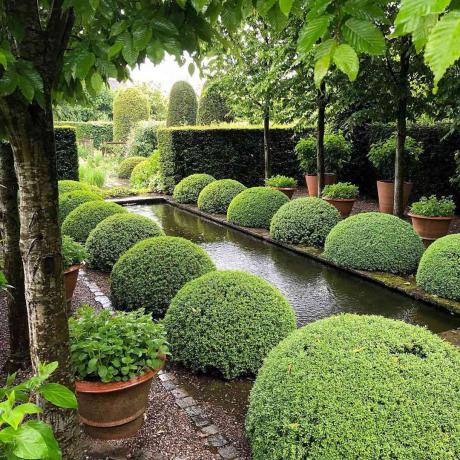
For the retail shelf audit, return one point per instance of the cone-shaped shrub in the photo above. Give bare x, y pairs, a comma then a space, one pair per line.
375, 242
217, 196
189, 188
439, 269
182, 105
255, 207
304, 221
151, 273
71, 200
115, 235
227, 321
213, 107
357, 387
126, 166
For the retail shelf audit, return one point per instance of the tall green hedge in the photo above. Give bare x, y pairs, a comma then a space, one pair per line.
97, 131
183, 105
212, 107
129, 107
66, 153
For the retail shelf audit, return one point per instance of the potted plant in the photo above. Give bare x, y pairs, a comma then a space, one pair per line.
341, 195
382, 156
337, 153
115, 358
73, 254
431, 217
287, 185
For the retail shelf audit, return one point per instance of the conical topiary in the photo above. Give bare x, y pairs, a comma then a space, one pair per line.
182, 106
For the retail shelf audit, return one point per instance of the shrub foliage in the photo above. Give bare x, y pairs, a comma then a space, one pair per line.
126, 166
375, 242
142, 140
66, 153
217, 196
227, 321
188, 189
71, 200
73, 253
361, 387
97, 131
144, 172
212, 107
66, 186
183, 105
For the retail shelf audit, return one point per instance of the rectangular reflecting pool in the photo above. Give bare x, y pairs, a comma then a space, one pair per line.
314, 290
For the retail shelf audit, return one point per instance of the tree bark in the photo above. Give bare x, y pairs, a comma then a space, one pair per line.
267, 146
10, 226
401, 126
320, 162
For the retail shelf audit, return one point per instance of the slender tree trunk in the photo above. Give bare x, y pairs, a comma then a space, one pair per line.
267, 146
401, 126
320, 162
9, 219
31, 134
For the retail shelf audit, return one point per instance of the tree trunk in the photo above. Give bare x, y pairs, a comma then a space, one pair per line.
401, 126
320, 163
267, 147
16, 303
30, 131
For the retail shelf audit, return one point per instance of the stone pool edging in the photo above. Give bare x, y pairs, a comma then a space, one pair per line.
400, 284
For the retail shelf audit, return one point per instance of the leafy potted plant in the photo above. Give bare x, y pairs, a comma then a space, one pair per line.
337, 153
115, 358
341, 195
73, 254
431, 217
287, 185
382, 156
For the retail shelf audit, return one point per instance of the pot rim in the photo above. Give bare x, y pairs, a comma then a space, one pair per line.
418, 216
283, 188
345, 200
388, 181
326, 174
73, 268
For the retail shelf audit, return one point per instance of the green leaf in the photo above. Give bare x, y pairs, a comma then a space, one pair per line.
286, 6
364, 37
26, 88
54, 451
141, 38
118, 28
155, 51
191, 68
164, 25
29, 443
128, 51
421, 33
59, 395
416, 8
442, 49
323, 57
311, 33
84, 60
346, 60
97, 82
3, 59
115, 49
8, 83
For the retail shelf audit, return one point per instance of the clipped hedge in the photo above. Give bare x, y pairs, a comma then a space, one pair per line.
151, 273
97, 131
255, 207
66, 186
126, 167
115, 235
357, 387
79, 223
305, 221
375, 242
144, 173
66, 153
227, 321
183, 105
71, 200
212, 107
217, 196
439, 269
188, 189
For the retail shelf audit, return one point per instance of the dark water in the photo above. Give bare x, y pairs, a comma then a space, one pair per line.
314, 290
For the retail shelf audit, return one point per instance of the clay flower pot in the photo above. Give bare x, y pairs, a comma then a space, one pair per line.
312, 182
430, 228
70, 281
288, 191
386, 193
344, 205
114, 410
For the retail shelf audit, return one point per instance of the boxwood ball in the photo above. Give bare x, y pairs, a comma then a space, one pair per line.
71, 200
227, 321
188, 189
217, 196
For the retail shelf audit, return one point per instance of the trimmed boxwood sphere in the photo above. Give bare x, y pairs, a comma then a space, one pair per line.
71, 200
375, 242
151, 273
79, 223
188, 189
357, 387
439, 269
115, 235
255, 207
227, 321
217, 196
66, 186
126, 166
304, 221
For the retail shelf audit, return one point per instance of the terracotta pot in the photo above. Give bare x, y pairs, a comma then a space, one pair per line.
114, 410
430, 228
288, 191
386, 193
312, 182
70, 281
344, 205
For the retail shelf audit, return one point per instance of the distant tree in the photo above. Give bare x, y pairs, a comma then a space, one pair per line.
213, 106
183, 105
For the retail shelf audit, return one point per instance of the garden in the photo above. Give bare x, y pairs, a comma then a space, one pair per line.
263, 267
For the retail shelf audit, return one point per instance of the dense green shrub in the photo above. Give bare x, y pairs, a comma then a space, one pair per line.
255, 207
212, 107
357, 387
129, 107
66, 186
305, 221
281, 181
188, 189
227, 321
119, 191
115, 235
375, 242
341, 190
71, 200
439, 269
73, 253
79, 223
96, 131
182, 105
145, 173
126, 167
151, 273
66, 153
142, 139
216, 196
433, 207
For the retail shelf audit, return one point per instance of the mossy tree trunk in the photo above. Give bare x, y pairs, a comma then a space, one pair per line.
267, 150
